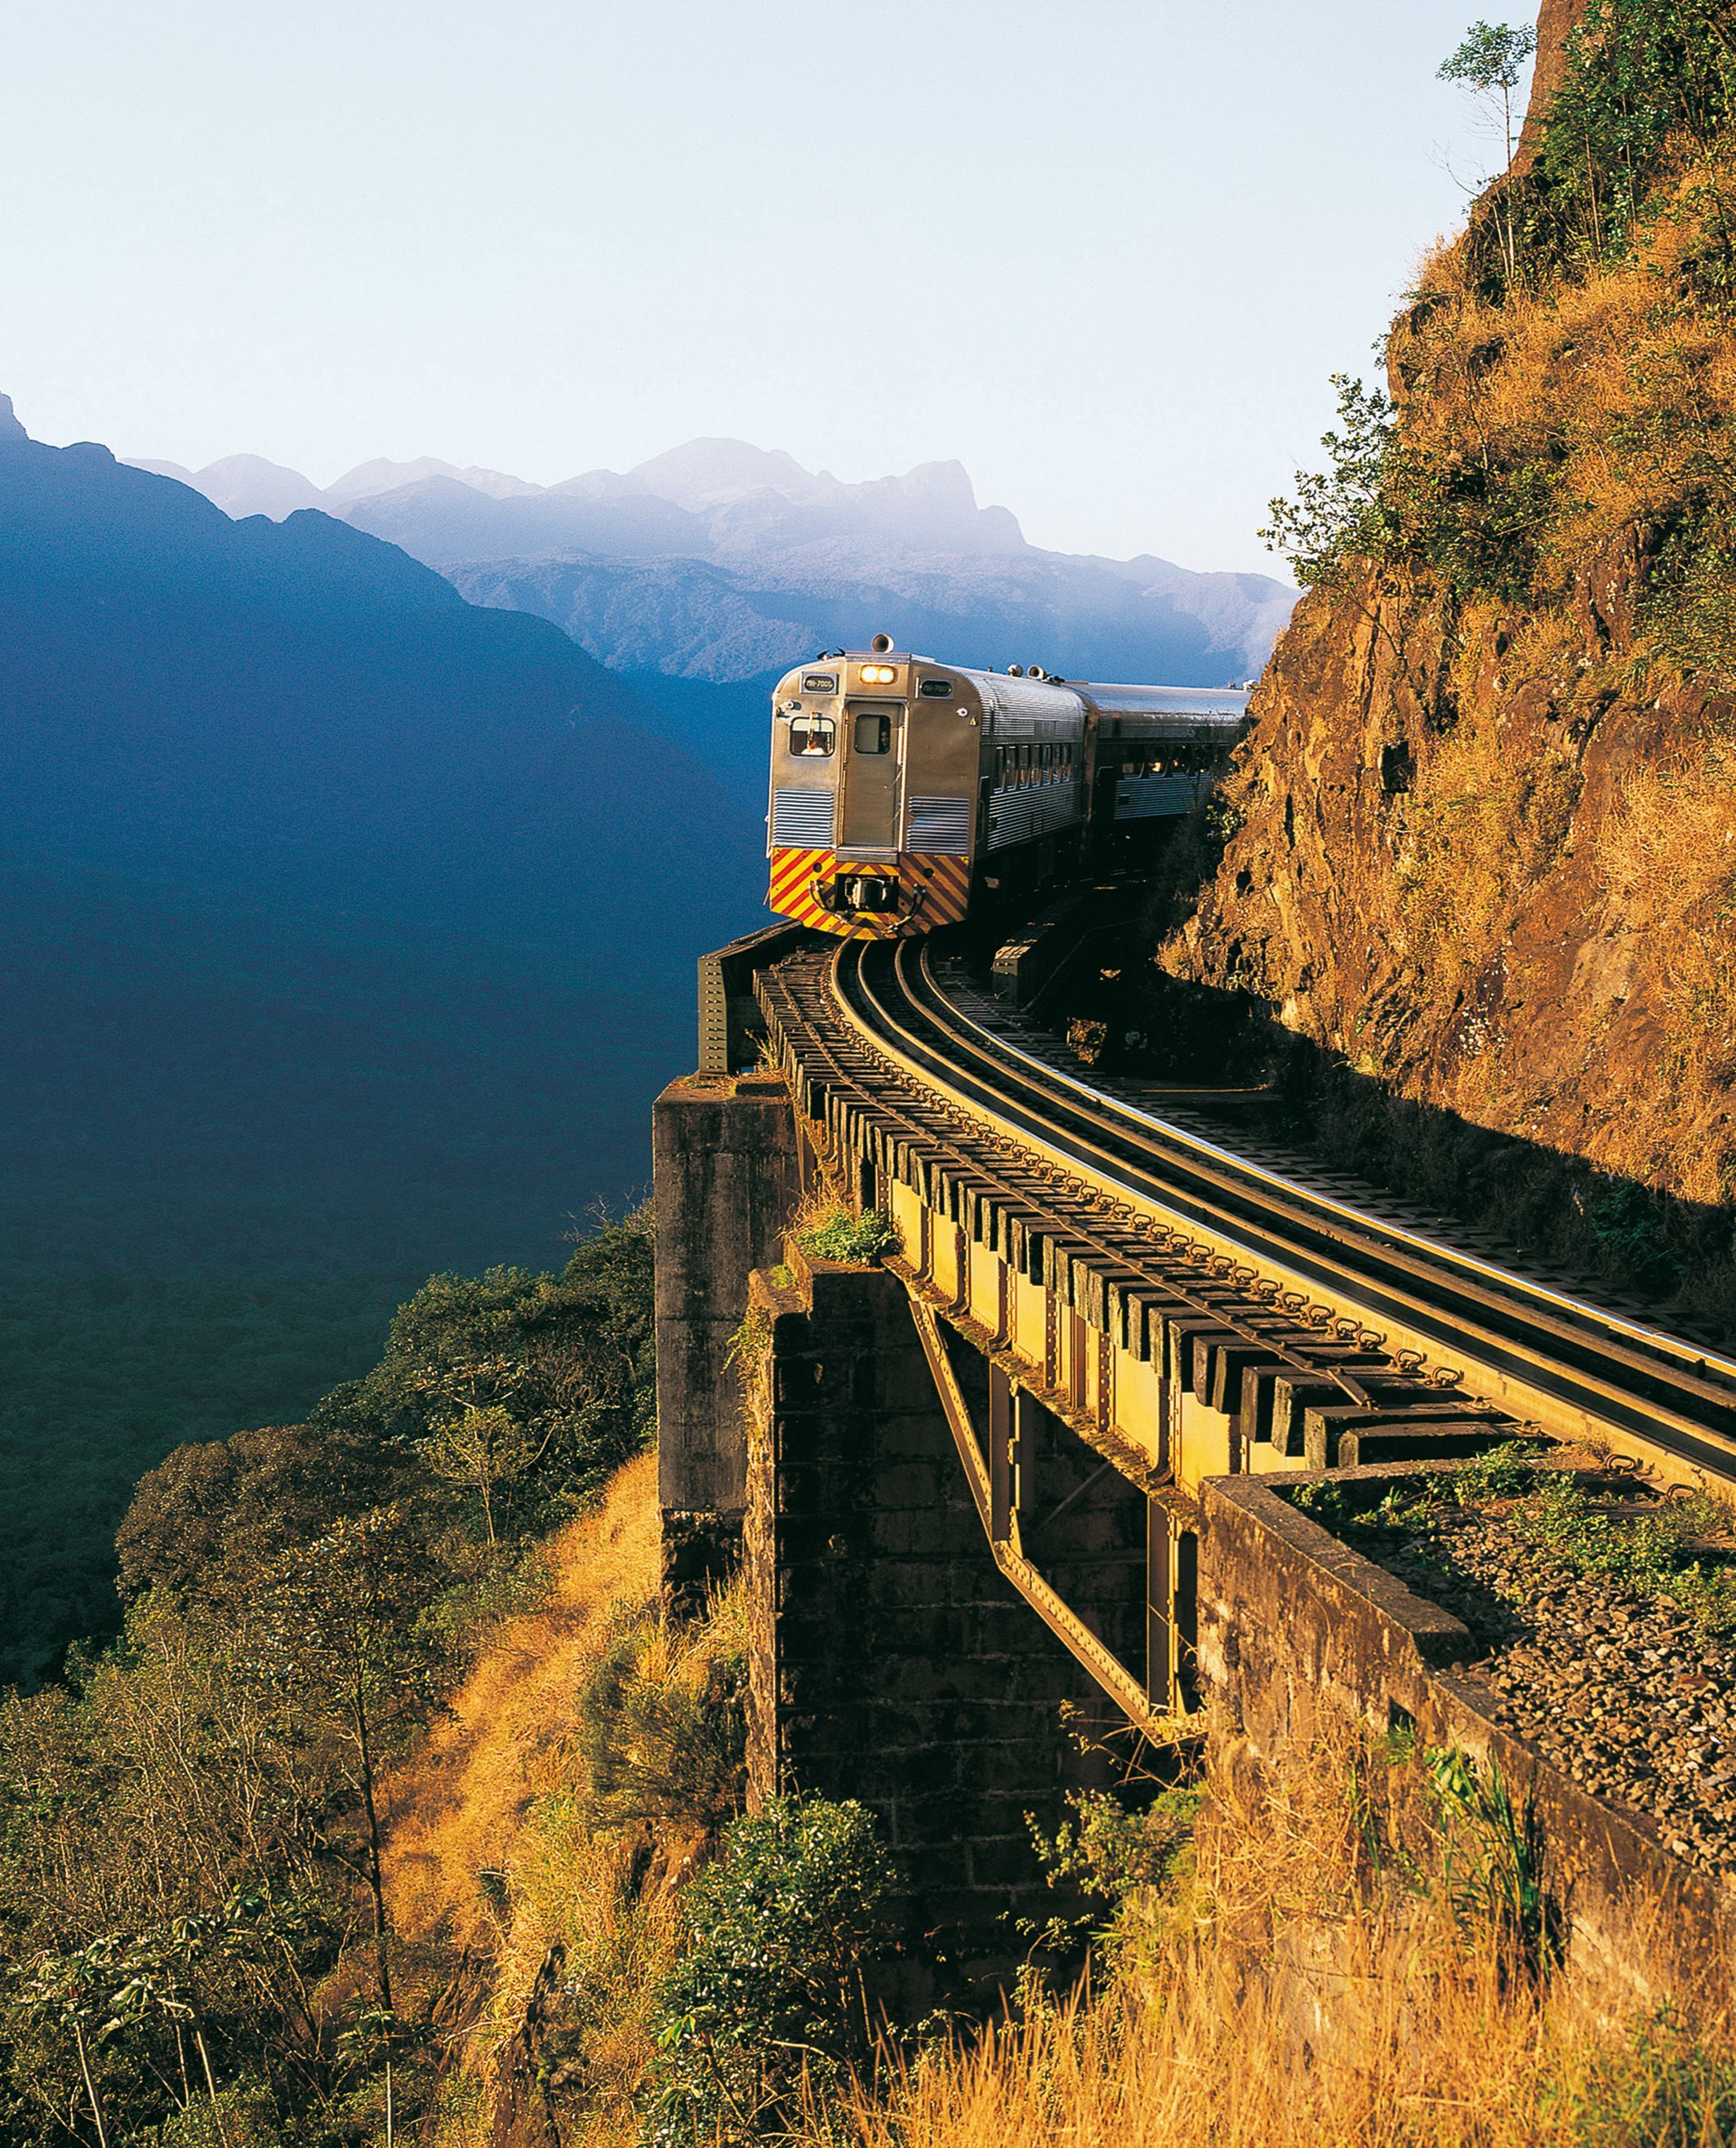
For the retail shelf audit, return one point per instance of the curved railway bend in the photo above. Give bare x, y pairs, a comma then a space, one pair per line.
1103, 1329
1569, 1364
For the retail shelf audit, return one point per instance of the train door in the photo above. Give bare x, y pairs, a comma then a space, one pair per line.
873, 767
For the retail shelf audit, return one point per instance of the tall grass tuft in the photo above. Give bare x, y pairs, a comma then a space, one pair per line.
1334, 1963
659, 1716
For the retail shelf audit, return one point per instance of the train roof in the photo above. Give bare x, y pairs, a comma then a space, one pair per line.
1226, 703
1037, 693
1213, 706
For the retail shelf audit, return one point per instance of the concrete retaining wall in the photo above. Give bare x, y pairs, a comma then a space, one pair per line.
1295, 1628
728, 1179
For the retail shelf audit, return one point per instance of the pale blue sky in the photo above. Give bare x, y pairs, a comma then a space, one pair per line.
1105, 252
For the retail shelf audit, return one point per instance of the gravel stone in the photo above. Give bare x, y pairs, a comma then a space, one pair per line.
1619, 1690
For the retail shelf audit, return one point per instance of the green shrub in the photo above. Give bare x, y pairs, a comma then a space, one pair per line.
1491, 1855
748, 1344
1130, 1861
1474, 519
1498, 1472
834, 1234
242, 2116
771, 2001
1688, 609
1642, 75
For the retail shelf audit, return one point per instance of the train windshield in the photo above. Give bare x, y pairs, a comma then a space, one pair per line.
812, 737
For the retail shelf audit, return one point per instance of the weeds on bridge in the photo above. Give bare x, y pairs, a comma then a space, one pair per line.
1560, 1529
827, 1231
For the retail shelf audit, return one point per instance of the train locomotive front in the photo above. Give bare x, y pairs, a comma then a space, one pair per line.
904, 793
895, 779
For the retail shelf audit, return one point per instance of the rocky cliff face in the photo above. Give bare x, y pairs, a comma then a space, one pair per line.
1492, 917
1486, 839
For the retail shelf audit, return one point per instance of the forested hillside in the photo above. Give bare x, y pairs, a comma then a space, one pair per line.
199, 1926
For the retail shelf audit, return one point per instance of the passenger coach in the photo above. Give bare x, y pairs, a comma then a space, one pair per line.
903, 792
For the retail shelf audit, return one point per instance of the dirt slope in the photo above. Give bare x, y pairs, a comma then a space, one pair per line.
455, 1809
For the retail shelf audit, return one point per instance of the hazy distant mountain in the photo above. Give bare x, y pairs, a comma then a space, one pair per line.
699, 619
368, 479
246, 485
721, 561
295, 706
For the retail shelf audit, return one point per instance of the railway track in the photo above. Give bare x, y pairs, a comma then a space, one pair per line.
890, 1029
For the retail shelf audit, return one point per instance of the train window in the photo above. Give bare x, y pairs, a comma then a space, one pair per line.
819, 682
812, 736
874, 734
935, 689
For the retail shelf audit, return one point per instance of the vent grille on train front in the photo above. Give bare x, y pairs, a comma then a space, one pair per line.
940, 825
802, 819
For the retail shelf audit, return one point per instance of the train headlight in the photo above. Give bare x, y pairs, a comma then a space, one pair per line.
878, 675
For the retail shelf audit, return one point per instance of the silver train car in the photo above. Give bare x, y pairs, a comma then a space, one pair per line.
905, 792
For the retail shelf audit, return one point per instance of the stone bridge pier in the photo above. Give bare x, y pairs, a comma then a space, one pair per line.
800, 1428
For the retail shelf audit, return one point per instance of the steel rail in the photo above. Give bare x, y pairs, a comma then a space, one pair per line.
1277, 1331
1603, 1369
1280, 1333
1657, 1340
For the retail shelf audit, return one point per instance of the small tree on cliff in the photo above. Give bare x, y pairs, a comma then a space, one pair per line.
1338, 514
346, 1636
491, 1443
1491, 63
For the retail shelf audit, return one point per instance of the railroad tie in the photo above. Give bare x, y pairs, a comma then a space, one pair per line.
1325, 1429
1293, 1394
1258, 1404
1452, 1439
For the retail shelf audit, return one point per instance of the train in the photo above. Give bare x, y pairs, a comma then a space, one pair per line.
908, 794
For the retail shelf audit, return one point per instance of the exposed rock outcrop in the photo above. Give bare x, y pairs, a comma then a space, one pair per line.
1486, 839
1482, 914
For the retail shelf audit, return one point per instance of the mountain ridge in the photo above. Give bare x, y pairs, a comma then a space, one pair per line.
720, 530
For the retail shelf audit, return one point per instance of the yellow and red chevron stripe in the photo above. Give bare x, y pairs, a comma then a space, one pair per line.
932, 891
793, 873
936, 891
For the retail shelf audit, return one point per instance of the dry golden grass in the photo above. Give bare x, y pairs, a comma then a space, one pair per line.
560, 1891
1294, 1993
454, 1809
1299, 1986
1668, 861
1623, 382
596, 1913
